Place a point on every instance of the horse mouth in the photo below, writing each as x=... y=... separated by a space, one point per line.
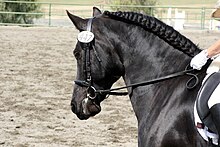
x=89 y=109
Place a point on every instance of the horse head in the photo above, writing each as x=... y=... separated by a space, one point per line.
x=93 y=69
x=139 y=48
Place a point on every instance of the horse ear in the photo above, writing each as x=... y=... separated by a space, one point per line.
x=96 y=11
x=79 y=22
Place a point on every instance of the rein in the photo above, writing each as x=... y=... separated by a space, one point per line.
x=144 y=83
x=86 y=39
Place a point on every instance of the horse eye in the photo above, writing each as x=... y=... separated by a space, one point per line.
x=77 y=55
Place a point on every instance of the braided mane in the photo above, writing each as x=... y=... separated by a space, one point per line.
x=157 y=27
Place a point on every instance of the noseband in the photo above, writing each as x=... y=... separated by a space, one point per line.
x=86 y=39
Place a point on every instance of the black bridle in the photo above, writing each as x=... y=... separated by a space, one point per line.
x=92 y=91
x=87 y=46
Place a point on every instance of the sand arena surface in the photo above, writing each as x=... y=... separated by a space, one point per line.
x=36 y=72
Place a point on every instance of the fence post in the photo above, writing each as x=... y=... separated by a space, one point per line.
x=151 y=11
x=50 y=14
x=203 y=18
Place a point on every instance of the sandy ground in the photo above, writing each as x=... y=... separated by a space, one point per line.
x=36 y=73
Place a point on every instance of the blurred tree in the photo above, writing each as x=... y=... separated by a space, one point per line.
x=18 y=7
x=117 y=5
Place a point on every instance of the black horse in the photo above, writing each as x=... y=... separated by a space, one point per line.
x=138 y=48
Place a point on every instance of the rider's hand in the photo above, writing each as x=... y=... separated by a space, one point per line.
x=199 y=60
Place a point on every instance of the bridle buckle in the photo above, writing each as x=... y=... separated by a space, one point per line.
x=91 y=92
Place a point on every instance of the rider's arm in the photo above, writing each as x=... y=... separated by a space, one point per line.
x=200 y=59
x=214 y=49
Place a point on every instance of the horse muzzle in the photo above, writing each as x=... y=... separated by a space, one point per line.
x=90 y=107
x=87 y=109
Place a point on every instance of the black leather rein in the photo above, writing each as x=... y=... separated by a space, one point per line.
x=144 y=83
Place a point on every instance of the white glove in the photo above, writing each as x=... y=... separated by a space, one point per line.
x=199 y=60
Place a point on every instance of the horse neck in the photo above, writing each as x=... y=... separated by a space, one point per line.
x=146 y=56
